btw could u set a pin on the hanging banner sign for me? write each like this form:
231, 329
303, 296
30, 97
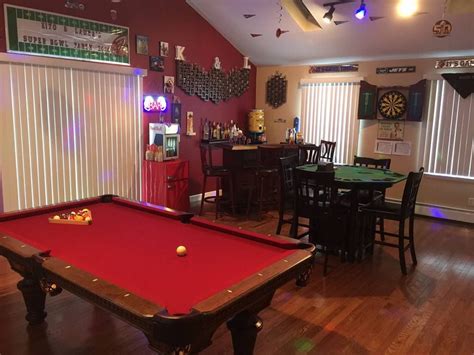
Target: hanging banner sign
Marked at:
42, 33
454, 63
314, 69
396, 70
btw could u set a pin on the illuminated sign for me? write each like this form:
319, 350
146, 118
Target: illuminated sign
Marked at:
154, 104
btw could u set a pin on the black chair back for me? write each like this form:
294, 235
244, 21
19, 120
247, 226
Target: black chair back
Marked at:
308, 154
287, 183
410, 193
316, 193
207, 163
372, 163
268, 156
327, 150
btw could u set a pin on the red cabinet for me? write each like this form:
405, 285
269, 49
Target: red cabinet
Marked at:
166, 183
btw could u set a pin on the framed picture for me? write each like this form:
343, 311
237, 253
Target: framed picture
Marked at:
176, 113
142, 44
157, 64
168, 84
164, 49
391, 130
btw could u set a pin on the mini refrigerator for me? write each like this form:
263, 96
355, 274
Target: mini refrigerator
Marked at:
166, 136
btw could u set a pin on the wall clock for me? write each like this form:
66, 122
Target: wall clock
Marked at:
392, 105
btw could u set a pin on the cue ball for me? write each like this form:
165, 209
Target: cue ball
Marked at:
181, 251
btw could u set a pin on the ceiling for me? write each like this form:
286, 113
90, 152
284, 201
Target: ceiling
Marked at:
391, 37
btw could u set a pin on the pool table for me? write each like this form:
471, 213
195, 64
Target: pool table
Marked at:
126, 263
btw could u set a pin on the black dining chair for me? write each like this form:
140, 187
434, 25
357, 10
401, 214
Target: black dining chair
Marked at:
367, 196
316, 199
287, 193
308, 154
327, 150
398, 212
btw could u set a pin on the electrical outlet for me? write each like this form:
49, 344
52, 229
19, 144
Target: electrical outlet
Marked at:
470, 201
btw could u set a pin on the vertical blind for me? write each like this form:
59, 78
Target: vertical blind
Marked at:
68, 134
448, 132
329, 112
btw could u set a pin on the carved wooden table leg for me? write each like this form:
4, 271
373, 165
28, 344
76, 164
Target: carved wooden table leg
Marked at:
303, 278
244, 328
34, 299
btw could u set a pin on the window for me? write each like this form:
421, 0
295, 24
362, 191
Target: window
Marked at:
329, 112
68, 134
448, 132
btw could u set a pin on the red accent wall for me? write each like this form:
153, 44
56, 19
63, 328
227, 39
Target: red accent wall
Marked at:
175, 22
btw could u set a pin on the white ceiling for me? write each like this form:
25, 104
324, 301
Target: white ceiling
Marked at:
392, 37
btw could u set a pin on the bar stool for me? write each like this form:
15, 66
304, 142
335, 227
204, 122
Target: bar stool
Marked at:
266, 177
221, 173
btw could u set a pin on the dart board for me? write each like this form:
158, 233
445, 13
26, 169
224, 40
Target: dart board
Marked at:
392, 105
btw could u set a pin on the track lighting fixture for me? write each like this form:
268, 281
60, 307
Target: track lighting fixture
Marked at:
328, 15
361, 11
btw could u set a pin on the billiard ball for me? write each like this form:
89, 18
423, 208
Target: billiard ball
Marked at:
181, 250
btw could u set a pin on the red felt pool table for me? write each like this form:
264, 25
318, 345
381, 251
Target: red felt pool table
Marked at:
126, 263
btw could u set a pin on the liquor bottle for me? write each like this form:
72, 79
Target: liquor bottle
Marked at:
205, 133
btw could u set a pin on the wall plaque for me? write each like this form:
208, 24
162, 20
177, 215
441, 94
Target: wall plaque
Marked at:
396, 70
314, 69
48, 34
454, 63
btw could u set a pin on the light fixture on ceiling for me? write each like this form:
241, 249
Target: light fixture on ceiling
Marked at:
407, 8
328, 15
361, 11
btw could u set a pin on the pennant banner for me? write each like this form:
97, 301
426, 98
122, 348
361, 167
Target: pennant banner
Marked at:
463, 83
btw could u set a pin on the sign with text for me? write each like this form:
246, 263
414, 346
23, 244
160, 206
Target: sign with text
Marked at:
316, 69
42, 33
454, 63
396, 70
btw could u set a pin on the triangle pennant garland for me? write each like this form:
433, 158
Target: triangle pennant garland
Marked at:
463, 83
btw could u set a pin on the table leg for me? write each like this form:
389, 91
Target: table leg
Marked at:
34, 299
352, 237
303, 278
244, 328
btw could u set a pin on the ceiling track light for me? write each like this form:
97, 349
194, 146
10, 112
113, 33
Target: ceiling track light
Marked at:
328, 15
361, 12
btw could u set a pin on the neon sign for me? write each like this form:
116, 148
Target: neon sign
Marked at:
152, 104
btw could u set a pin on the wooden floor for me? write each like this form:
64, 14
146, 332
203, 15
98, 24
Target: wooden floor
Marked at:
359, 308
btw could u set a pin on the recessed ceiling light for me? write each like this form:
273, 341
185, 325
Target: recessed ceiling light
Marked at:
407, 8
